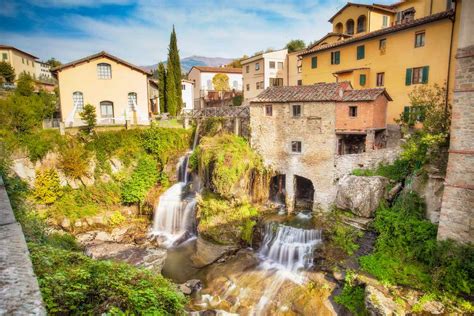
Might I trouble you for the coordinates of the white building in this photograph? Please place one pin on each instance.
(187, 88)
(43, 71)
(204, 90)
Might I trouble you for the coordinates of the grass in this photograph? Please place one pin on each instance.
(171, 123)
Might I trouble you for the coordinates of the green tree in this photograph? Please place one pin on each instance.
(53, 62)
(89, 115)
(7, 71)
(171, 97)
(162, 87)
(174, 71)
(221, 82)
(237, 63)
(25, 85)
(295, 45)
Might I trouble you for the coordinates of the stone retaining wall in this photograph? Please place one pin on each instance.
(19, 290)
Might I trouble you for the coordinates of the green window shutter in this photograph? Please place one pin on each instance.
(406, 113)
(314, 62)
(362, 79)
(338, 57)
(408, 77)
(426, 70)
(361, 52)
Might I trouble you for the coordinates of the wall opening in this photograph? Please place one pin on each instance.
(277, 189)
(304, 193)
(350, 144)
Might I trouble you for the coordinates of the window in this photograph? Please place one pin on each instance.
(22, 60)
(276, 82)
(247, 69)
(417, 75)
(257, 66)
(272, 65)
(106, 109)
(132, 101)
(183, 87)
(353, 111)
(384, 21)
(259, 85)
(296, 110)
(247, 87)
(350, 27)
(362, 80)
(338, 28)
(104, 71)
(27, 62)
(184, 104)
(361, 24)
(383, 44)
(380, 79)
(314, 62)
(4, 56)
(280, 65)
(78, 101)
(335, 58)
(300, 82)
(420, 39)
(296, 146)
(268, 110)
(360, 52)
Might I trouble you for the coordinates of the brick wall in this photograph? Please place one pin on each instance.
(369, 114)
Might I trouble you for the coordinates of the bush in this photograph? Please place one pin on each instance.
(142, 179)
(352, 296)
(40, 142)
(163, 143)
(345, 237)
(89, 116)
(74, 160)
(47, 186)
(72, 283)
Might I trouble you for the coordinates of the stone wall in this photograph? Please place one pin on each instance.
(19, 290)
(457, 211)
(344, 164)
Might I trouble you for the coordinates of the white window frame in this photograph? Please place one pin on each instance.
(78, 101)
(104, 71)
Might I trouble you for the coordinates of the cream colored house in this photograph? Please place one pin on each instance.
(120, 91)
(187, 88)
(21, 61)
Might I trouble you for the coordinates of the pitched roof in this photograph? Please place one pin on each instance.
(320, 92)
(385, 31)
(328, 35)
(368, 6)
(343, 71)
(99, 55)
(218, 69)
(18, 50)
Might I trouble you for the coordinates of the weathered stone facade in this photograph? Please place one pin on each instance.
(19, 290)
(457, 212)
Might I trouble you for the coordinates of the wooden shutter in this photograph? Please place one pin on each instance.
(361, 52)
(424, 78)
(408, 77)
(362, 80)
(314, 62)
(406, 113)
(337, 57)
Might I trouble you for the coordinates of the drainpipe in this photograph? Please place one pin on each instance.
(337, 78)
(453, 20)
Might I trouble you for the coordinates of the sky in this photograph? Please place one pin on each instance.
(138, 30)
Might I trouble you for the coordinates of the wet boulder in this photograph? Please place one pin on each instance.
(360, 195)
(377, 304)
(190, 286)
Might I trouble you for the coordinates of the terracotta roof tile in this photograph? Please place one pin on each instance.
(381, 32)
(218, 69)
(364, 95)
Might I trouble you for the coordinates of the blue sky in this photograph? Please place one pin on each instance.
(138, 30)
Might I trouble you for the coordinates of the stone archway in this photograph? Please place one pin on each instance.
(277, 192)
(304, 192)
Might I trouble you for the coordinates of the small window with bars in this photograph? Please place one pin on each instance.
(104, 71)
(296, 110)
(132, 101)
(296, 146)
(353, 111)
(268, 110)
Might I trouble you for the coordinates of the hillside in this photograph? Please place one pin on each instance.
(188, 62)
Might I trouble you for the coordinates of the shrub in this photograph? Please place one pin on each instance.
(163, 143)
(345, 237)
(142, 179)
(116, 219)
(74, 160)
(352, 296)
(89, 116)
(47, 186)
(246, 231)
(40, 142)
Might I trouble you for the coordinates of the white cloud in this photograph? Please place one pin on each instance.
(76, 3)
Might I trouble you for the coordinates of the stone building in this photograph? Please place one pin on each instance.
(298, 132)
(457, 211)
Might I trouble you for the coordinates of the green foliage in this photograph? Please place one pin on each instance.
(224, 161)
(7, 71)
(352, 296)
(142, 179)
(295, 45)
(220, 82)
(237, 100)
(212, 126)
(173, 79)
(25, 85)
(74, 160)
(397, 171)
(163, 143)
(72, 283)
(89, 116)
(345, 237)
(53, 62)
(40, 142)
(162, 87)
(422, 148)
(116, 219)
(47, 186)
(225, 221)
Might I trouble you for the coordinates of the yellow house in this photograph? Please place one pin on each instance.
(21, 61)
(395, 46)
(120, 91)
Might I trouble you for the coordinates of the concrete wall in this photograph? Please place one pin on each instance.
(272, 135)
(19, 290)
(457, 211)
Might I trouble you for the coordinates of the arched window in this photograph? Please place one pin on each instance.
(339, 28)
(132, 101)
(78, 101)
(361, 21)
(106, 109)
(350, 27)
(104, 71)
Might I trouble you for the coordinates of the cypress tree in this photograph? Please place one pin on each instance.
(162, 87)
(171, 96)
(175, 64)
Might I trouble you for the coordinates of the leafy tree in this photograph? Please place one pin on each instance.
(25, 85)
(295, 45)
(7, 71)
(221, 82)
(237, 100)
(89, 115)
(236, 63)
(174, 76)
(162, 87)
(53, 62)
(47, 186)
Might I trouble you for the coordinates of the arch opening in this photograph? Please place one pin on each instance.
(304, 192)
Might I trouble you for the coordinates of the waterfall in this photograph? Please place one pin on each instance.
(289, 247)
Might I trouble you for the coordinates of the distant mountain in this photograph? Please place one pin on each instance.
(188, 62)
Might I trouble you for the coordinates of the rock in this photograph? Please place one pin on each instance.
(24, 169)
(185, 289)
(394, 191)
(433, 307)
(103, 236)
(339, 275)
(115, 165)
(118, 234)
(65, 223)
(86, 237)
(208, 252)
(360, 195)
(431, 189)
(377, 304)
(191, 286)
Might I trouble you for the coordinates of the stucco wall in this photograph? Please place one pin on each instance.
(188, 95)
(369, 115)
(20, 62)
